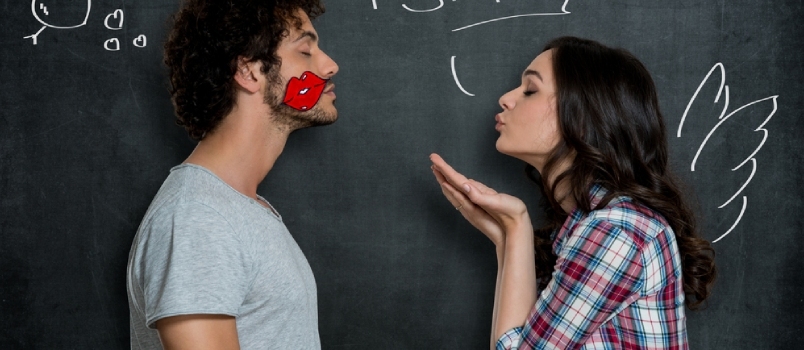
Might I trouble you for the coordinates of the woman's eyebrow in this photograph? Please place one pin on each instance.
(533, 72)
(307, 34)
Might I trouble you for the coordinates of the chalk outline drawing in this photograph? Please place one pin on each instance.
(112, 41)
(455, 75)
(140, 41)
(440, 5)
(723, 118)
(33, 10)
(114, 15)
(144, 41)
(563, 12)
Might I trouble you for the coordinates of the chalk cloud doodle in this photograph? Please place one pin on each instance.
(51, 17)
(769, 102)
(60, 15)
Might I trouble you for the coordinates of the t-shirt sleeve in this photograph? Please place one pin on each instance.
(192, 263)
(599, 272)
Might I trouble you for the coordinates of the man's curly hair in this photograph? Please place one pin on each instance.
(205, 42)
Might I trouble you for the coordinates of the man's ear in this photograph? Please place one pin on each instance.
(248, 75)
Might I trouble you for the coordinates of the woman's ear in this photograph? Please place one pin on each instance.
(248, 75)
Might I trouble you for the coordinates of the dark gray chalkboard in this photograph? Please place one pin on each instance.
(87, 137)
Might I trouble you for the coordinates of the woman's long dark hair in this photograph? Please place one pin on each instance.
(614, 134)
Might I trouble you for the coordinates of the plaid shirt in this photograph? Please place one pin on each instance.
(616, 284)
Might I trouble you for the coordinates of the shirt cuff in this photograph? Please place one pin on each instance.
(510, 340)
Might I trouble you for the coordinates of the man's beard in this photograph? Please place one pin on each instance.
(290, 117)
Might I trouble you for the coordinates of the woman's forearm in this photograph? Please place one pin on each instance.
(500, 262)
(516, 292)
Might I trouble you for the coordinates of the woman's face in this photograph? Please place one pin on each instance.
(528, 124)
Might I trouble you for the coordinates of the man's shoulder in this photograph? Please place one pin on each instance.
(191, 191)
(191, 186)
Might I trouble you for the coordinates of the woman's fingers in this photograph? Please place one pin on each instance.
(499, 205)
(460, 200)
(460, 186)
(455, 197)
(439, 176)
(478, 196)
(483, 188)
(455, 178)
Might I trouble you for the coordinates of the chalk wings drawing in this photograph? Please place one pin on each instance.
(725, 120)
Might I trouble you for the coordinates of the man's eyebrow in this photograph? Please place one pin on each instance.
(533, 72)
(307, 34)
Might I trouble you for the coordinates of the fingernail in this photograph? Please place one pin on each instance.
(466, 188)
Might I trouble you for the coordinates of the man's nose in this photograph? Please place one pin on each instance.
(328, 67)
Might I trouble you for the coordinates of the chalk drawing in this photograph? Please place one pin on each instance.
(116, 15)
(49, 19)
(440, 5)
(115, 21)
(723, 90)
(140, 41)
(112, 44)
(454, 75)
(563, 12)
(38, 7)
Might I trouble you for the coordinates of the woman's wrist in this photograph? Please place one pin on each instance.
(519, 227)
(499, 247)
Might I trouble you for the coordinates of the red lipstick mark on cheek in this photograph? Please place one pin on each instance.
(304, 92)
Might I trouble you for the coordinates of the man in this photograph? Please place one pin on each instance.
(212, 265)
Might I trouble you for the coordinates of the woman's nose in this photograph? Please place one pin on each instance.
(507, 101)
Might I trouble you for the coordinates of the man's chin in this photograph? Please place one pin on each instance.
(329, 119)
(321, 117)
(328, 114)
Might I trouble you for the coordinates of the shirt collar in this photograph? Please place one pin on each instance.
(596, 194)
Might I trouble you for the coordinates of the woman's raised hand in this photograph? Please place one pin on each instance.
(492, 213)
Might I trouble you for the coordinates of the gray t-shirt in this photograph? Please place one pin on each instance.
(204, 248)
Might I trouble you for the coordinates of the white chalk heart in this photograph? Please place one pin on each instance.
(140, 41)
(117, 14)
(112, 44)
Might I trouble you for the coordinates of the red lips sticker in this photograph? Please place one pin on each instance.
(305, 91)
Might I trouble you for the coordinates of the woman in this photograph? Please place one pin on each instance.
(609, 262)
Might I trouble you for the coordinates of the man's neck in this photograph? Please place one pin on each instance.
(241, 150)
